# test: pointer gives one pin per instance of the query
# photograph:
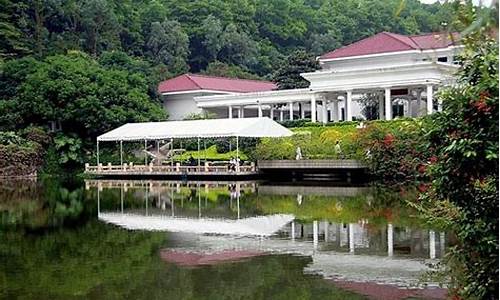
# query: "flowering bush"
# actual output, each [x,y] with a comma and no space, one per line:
[396,151]
[465,170]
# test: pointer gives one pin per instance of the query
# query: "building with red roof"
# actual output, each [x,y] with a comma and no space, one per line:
[400,72]
[387,42]
[178,93]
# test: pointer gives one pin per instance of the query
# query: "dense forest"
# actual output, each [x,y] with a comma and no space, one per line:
[83,67]
[184,35]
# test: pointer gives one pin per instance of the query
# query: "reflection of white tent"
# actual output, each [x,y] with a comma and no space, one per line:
[244,127]
[260,226]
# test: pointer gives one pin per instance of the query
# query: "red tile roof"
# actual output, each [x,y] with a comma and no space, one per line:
[193,82]
[386,42]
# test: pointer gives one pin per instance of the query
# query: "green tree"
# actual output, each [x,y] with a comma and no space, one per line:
[168,44]
[100,24]
[221,69]
[238,47]
[320,43]
[85,98]
[465,168]
[12,17]
[212,37]
[288,75]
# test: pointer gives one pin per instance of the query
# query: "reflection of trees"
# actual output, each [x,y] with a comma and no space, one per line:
[74,262]
[105,262]
[40,204]
[379,206]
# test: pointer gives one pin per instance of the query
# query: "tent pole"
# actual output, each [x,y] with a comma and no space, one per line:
[205,149]
[121,197]
[145,153]
[158,152]
[198,151]
[237,154]
[98,153]
[121,153]
[171,152]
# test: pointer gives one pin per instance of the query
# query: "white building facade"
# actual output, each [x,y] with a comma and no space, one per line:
[400,73]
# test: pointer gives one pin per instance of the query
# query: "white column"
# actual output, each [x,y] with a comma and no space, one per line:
[313,108]
[291,110]
[419,103]
[381,108]
[390,240]
[388,104]
[348,106]
[242,109]
[282,117]
[336,113]
[432,244]
[239,112]
[409,113]
[230,112]
[324,117]
[260,110]
[325,228]
[315,234]
[292,231]
[442,243]
[429,99]
[271,112]
[351,237]
[334,109]
[302,111]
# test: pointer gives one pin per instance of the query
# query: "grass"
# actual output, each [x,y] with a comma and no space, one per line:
[210,154]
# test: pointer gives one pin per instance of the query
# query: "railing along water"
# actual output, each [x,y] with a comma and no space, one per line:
[177,169]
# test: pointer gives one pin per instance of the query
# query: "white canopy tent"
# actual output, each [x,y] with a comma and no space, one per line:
[210,128]
[243,127]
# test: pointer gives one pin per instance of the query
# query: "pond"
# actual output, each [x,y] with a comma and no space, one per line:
[116,239]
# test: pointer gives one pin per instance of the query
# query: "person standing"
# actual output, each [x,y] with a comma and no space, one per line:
[338,149]
[298,153]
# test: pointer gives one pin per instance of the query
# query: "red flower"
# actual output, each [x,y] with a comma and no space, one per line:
[481,105]
[433,159]
[388,139]
[423,187]
[421,168]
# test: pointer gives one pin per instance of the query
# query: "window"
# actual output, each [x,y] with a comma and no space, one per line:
[443,59]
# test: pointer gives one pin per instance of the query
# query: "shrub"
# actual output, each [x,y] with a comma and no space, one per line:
[465,170]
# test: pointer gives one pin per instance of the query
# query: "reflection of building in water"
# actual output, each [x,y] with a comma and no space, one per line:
[358,238]
[192,200]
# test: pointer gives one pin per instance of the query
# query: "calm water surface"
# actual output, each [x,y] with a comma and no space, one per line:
[111,239]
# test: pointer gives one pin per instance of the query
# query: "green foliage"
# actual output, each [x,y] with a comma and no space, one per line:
[217,68]
[69,149]
[21,154]
[315,142]
[252,34]
[397,150]
[85,98]
[210,154]
[10,138]
[465,171]
[288,75]
[167,43]
[200,116]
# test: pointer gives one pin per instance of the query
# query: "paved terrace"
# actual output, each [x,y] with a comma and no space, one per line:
[323,164]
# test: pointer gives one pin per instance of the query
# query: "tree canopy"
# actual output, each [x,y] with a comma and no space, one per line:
[186,34]
[77,93]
